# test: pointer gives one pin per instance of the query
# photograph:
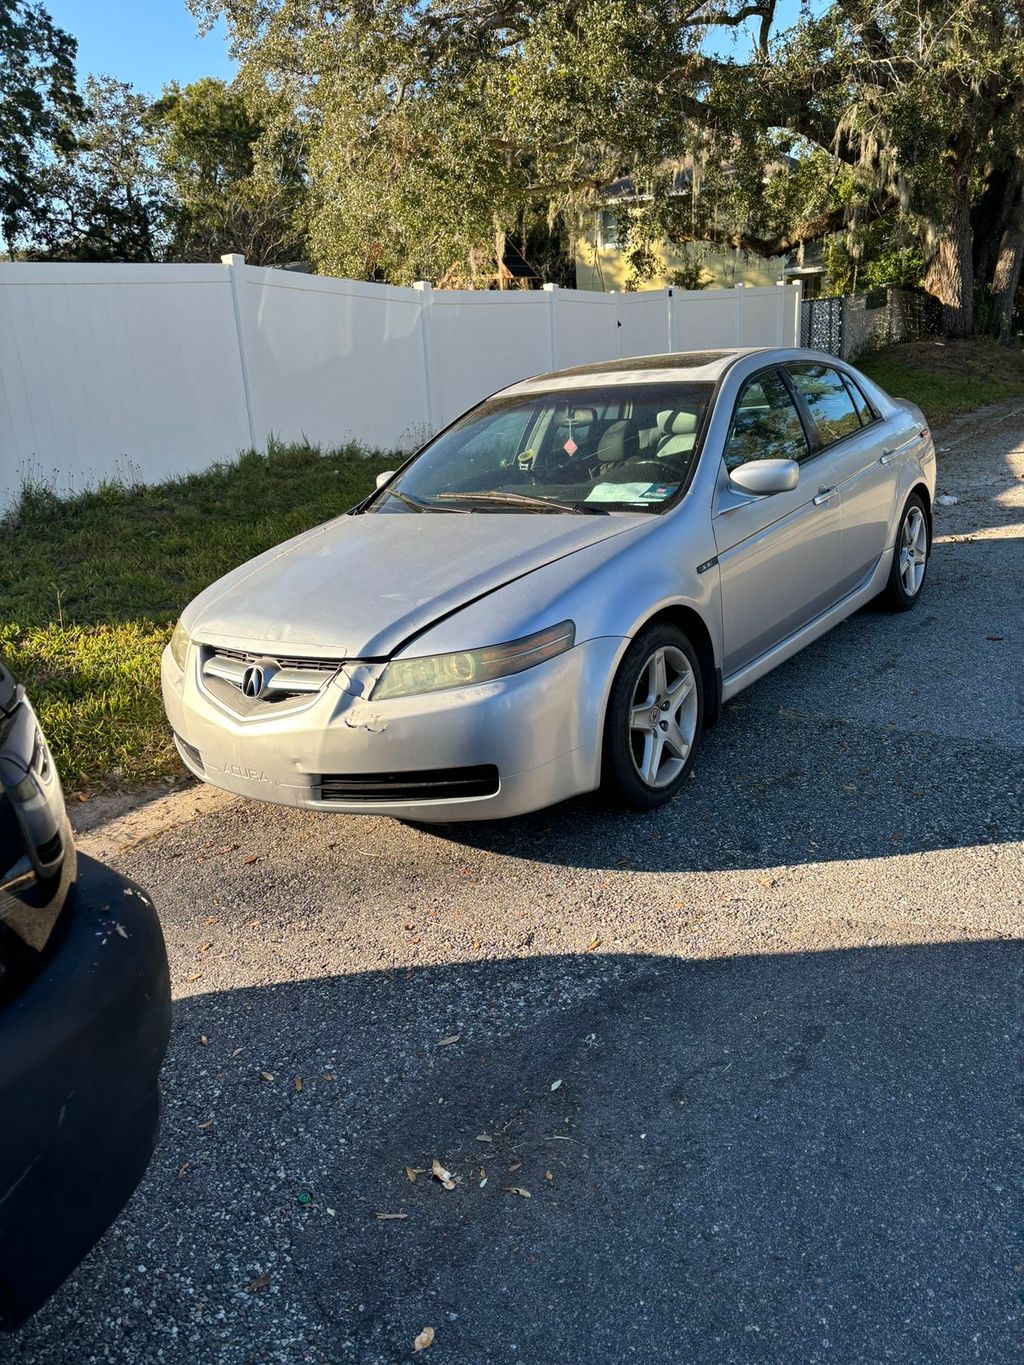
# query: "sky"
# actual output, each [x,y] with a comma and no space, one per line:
[147,42]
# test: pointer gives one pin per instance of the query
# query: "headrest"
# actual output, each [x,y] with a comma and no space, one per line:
[677,422]
[619,442]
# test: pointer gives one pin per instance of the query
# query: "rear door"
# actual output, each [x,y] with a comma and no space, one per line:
[779,556]
[855,437]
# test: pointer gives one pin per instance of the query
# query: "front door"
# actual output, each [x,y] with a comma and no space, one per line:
[779,556]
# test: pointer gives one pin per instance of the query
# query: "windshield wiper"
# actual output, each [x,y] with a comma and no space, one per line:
[521,500]
[404,498]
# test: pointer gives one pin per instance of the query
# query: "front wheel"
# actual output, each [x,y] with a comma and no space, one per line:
[910,557]
[654,718]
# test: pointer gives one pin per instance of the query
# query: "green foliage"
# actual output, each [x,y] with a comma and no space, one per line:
[235,179]
[39,107]
[90,587]
[886,253]
[103,197]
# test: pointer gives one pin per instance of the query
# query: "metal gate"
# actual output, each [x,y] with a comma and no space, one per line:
[822,325]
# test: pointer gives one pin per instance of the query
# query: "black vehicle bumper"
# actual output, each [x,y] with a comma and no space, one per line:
[80,1053]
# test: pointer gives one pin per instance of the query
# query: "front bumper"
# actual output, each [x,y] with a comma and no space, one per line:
[540,729]
[80,1052]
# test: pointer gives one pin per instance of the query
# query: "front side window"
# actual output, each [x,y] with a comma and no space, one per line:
[625,447]
[765,424]
[827,399]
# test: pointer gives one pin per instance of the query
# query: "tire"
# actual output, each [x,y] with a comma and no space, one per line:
[909,558]
[654,719]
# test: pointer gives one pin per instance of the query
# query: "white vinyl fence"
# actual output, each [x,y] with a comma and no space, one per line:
[142,372]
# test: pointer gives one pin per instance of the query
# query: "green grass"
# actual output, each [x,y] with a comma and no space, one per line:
[948,379]
[91,586]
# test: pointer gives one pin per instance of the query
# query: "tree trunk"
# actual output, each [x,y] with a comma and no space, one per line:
[950,275]
[1006,275]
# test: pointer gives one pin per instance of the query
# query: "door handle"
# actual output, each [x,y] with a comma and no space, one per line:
[823,496]
[887,457]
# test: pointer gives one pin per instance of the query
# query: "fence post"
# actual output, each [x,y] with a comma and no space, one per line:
[740,313]
[551,290]
[426,302]
[235,264]
[670,321]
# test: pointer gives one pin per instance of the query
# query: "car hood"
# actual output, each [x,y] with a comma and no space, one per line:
[359,586]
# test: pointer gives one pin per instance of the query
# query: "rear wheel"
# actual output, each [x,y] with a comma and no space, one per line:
[910,557]
[654,718]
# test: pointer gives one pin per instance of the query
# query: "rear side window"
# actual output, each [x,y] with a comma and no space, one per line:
[827,399]
[765,423]
[864,409]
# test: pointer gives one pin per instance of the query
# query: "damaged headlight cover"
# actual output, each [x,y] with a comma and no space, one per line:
[439,672]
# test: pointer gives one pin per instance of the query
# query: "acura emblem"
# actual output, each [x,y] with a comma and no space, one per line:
[253,682]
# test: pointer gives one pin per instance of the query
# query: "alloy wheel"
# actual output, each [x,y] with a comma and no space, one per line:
[913,551]
[663,716]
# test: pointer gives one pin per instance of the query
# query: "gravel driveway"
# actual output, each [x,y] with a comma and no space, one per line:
[732,1082]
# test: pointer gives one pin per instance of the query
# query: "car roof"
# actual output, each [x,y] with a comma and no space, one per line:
[706,366]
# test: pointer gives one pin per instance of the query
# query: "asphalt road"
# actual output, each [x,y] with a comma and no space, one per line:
[753,1057]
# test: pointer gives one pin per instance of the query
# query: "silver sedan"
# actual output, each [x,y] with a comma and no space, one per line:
[559,591]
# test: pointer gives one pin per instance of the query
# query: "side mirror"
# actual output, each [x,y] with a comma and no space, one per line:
[384,476]
[762,477]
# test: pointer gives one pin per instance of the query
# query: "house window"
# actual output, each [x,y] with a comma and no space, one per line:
[610,228]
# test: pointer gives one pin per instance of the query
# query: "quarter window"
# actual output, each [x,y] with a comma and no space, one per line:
[864,409]
[766,424]
[827,399]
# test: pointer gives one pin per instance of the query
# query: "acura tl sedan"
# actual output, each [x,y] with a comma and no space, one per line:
[559,591]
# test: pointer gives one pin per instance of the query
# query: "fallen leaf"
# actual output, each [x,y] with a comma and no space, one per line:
[203,1039]
[237,1052]
[297,1083]
[516,1189]
[328,1076]
[446,1178]
[516,1166]
[411,1172]
[267,1076]
[555,1085]
[207,1124]
[390,1217]
[121,930]
[183,1168]
[594,943]
[548,1176]
[254,859]
[260,1282]
[447,1042]
[483,1182]
[484,1137]
[425,1339]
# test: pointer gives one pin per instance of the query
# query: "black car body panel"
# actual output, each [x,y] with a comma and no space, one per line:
[80,1053]
[84,1021]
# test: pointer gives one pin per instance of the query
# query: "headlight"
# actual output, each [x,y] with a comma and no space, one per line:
[407,677]
[179,646]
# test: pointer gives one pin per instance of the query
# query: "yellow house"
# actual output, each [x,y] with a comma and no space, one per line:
[601,262]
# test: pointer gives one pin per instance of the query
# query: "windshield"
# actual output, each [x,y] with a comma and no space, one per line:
[622,448]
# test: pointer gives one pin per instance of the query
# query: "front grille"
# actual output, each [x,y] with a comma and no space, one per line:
[318,665]
[436,784]
[284,682]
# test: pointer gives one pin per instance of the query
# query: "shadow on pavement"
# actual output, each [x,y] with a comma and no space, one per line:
[780,1158]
